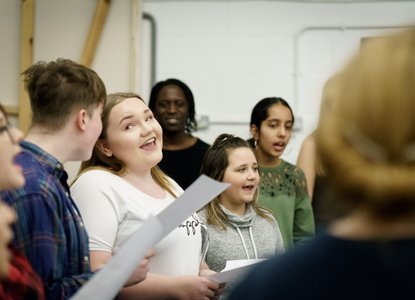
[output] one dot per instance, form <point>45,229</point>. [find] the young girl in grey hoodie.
<point>237,228</point>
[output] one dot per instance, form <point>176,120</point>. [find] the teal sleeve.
<point>304,227</point>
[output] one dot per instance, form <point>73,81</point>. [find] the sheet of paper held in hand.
<point>234,269</point>
<point>108,281</point>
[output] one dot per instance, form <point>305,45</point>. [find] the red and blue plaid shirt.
<point>22,282</point>
<point>49,230</point>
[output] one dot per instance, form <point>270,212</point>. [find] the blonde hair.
<point>367,141</point>
<point>112,164</point>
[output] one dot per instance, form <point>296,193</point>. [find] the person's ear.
<point>82,119</point>
<point>255,132</point>
<point>103,147</point>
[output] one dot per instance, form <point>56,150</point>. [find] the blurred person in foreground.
<point>17,278</point>
<point>367,147</point>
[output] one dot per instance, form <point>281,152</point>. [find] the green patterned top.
<point>283,191</point>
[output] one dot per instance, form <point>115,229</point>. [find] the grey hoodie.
<point>246,237</point>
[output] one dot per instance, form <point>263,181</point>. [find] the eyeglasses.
<point>8,128</point>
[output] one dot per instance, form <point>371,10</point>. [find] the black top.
<point>184,165</point>
<point>333,268</point>
<point>326,208</point>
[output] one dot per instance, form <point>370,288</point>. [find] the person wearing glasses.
<point>17,278</point>
<point>66,100</point>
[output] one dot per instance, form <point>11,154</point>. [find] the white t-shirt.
<point>113,209</point>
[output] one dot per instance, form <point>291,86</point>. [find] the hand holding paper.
<point>108,281</point>
<point>234,269</point>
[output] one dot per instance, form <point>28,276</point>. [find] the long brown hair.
<point>112,164</point>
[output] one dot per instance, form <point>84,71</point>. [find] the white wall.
<point>230,53</point>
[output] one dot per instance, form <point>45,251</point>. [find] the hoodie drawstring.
<point>252,241</point>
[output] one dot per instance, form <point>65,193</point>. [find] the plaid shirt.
<point>22,282</point>
<point>49,230</point>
